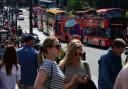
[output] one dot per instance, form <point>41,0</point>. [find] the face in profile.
<point>118,50</point>
<point>56,48</point>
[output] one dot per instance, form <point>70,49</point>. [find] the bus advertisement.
<point>104,27</point>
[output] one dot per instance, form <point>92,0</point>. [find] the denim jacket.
<point>109,67</point>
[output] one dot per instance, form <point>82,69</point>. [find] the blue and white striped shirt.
<point>55,78</point>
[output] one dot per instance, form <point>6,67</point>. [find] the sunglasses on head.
<point>78,54</point>
<point>57,46</point>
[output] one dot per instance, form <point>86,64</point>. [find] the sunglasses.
<point>78,54</point>
<point>57,46</point>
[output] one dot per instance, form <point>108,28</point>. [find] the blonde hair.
<point>71,53</point>
<point>73,42</point>
<point>48,43</point>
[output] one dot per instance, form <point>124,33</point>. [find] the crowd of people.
<point>28,68</point>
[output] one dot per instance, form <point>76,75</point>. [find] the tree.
<point>74,5</point>
<point>112,4</point>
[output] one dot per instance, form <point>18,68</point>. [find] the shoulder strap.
<point>87,68</point>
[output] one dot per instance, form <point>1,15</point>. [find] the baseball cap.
<point>28,37</point>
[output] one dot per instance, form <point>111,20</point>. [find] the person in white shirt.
<point>10,72</point>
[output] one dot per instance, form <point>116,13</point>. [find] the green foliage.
<point>112,3</point>
<point>74,5</point>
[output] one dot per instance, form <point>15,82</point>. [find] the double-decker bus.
<point>103,27</point>
<point>53,22</point>
<point>35,15</point>
<point>70,29</point>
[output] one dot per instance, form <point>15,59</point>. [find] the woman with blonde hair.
<point>50,76</point>
<point>73,41</point>
<point>63,51</point>
<point>74,70</point>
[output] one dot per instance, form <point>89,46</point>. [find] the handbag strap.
<point>87,68</point>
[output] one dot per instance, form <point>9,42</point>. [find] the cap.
<point>28,38</point>
<point>118,42</point>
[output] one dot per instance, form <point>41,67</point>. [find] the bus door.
<point>57,29</point>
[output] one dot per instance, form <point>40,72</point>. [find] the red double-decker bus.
<point>104,26</point>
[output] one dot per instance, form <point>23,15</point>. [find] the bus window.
<point>61,15</point>
<point>57,27</point>
<point>108,33</point>
<point>98,32</point>
<point>114,14</point>
<point>115,33</point>
<point>88,31</point>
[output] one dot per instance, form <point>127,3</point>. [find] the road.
<point>92,55</point>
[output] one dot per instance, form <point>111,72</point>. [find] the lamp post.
<point>30,17</point>
<point>16,9</point>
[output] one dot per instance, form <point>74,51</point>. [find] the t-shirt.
<point>71,70</point>
<point>55,78</point>
<point>28,61</point>
<point>9,82</point>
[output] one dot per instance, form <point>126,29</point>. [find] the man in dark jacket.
<point>110,64</point>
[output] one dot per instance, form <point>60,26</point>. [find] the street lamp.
<point>30,17</point>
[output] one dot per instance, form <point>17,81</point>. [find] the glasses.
<point>57,46</point>
<point>78,54</point>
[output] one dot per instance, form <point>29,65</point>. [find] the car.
<point>19,12</point>
<point>20,17</point>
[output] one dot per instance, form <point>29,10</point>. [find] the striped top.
<point>55,78</point>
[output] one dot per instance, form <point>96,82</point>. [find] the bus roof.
<point>54,8</point>
<point>86,11</point>
<point>54,11</point>
<point>46,1</point>
<point>108,9</point>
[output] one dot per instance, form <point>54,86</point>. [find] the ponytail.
<point>41,56</point>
